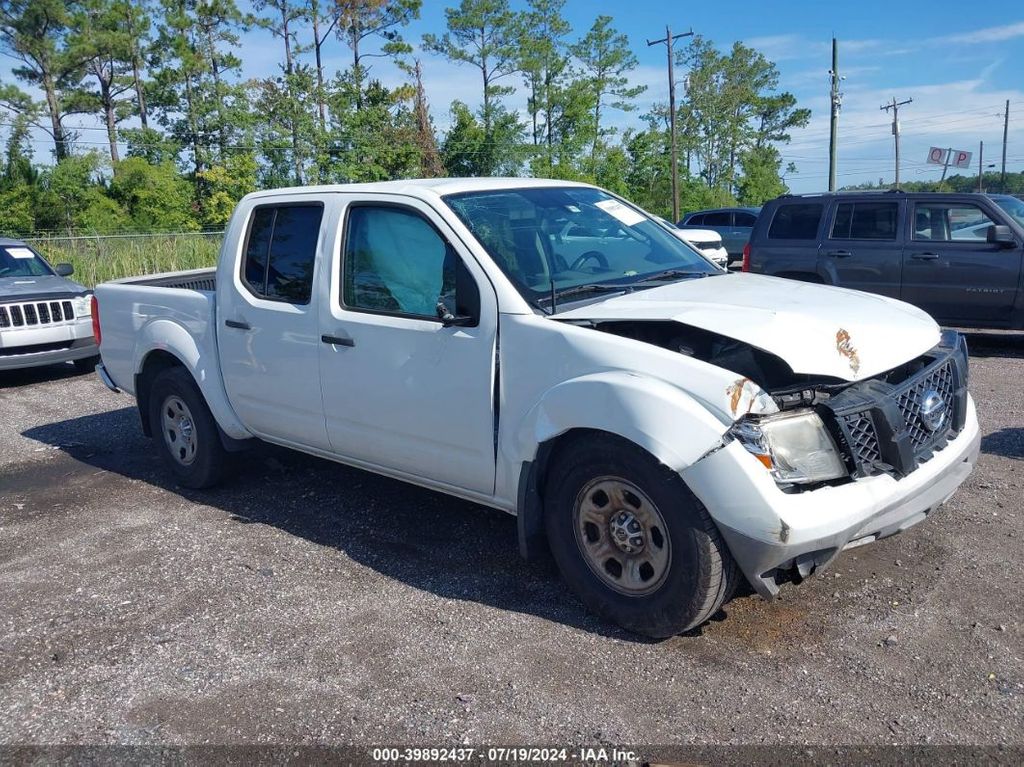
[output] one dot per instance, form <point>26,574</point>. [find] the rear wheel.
<point>184,429</point>
<point>632,540</point>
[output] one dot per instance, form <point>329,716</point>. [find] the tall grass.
<point>98,259</point>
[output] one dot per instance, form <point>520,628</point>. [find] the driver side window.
<point>396,262</point>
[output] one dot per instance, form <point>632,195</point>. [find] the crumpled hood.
<point>17,288</point>
<point>816,329</point>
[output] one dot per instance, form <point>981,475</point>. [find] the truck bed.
<point>193,279</point>
<point>138,314</point>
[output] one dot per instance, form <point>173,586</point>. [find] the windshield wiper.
<point>669,274</point>
<point>577,290</point>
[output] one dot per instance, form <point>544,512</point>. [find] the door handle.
<point>337,341</point>
<point>925,256</point>
<point>840,253</point>
<point>238,325</point>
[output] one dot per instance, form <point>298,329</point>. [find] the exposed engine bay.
<point>763,368</point>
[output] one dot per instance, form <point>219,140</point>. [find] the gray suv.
<point>734,224</point>
<point>957,256</point>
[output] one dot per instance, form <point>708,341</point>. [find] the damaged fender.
<point>661,418</point>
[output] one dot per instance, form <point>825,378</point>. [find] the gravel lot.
<point>305,602</point>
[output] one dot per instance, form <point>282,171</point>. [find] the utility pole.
<point>669,41</point>
<point>895,107</point>
<point>981,155</point>
<point>1006,129</point>
<point>837,103</point>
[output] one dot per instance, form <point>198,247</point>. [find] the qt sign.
<point>958,158</point>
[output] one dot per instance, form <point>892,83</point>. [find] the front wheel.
<point>184,430</point>
<point>631,539</point>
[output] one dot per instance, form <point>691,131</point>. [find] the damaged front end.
<point>810,431</point>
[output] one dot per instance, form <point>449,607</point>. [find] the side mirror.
<point>1001,235</point>
<point>64,270</point>
<point>449,320</point>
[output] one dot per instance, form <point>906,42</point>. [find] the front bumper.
<point>772,534</point>
<point>18,357</point>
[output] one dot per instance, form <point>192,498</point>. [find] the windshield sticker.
<point>626,215</point>
<point>20,252</point>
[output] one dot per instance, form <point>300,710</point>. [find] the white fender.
<point>659,417</point>
<point>203,364</point>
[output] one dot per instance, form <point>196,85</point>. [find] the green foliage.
<point>224,185</point>
<point>760,181</point>
<point>72,198</point>
<point>156,197</point>
<point>186,137</point>
<point>100,259</point>
<point>17,211</point>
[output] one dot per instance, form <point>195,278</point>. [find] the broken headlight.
<point>796,447</point>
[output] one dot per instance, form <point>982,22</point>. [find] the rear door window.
<point>744,219</point>
<point>280,252</point>
<point>796,221</point>
<point>865,221</point>
<point>722,218</point>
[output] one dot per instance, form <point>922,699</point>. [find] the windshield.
<point>21,261</point>
<point>1013,206</point>
<point>557,240</point>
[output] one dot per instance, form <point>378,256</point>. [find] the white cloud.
<point>986,35</point>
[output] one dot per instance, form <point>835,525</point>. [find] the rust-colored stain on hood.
<point>735,392</point>
<point>846,349</point>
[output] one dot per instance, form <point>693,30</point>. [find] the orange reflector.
<point>766,460</point>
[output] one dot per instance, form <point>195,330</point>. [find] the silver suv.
<point>45,318</point>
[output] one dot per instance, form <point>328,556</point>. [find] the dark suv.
<point>957,256</point>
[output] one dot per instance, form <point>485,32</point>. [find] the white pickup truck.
<point>662,426</point>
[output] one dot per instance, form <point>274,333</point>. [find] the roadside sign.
<point>958,158</point>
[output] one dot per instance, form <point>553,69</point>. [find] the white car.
<point>664,427</point>
<point>707,241</point>
<point>45,318</point>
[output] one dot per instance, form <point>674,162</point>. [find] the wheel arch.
<point>660,419</point>
<point>154,363</point>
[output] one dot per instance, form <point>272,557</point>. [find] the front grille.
<point>909,402</point>
<point>880,424</point>
<point>36,313</point>
<point>863,439</point>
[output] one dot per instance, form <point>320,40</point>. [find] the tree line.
<point>178,133</point>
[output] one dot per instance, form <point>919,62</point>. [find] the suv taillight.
<point>746,258</point>
<point>95,309</point>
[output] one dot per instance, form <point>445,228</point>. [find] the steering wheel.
<point>590,255</point>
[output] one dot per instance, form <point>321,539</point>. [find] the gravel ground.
<point>305,602</point>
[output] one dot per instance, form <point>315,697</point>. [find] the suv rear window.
<point>865,221</point>
<point>796,221</point>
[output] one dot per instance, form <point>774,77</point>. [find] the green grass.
<point>108,258</point>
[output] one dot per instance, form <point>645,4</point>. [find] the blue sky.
<point>959,67</point>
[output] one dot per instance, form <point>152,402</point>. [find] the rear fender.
<point>169,337</point>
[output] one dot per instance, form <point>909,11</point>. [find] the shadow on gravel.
<point>1008,443</point>
<point>995,343</point>
<point>433,542</point>
<point>10,379</point>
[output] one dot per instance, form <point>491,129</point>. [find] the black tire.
<point>197,459</point>
<point>87,364</point>
<point>700,574</point>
